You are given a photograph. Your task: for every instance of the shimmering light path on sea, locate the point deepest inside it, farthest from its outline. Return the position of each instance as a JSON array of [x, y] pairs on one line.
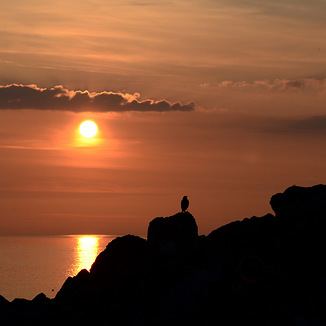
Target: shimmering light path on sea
[[31, 265]]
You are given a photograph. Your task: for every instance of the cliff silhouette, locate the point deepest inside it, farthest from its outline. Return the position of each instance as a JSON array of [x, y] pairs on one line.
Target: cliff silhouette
[[268, 270]]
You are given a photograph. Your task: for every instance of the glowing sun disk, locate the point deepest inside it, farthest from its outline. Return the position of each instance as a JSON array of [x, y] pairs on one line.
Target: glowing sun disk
[[88, 129]]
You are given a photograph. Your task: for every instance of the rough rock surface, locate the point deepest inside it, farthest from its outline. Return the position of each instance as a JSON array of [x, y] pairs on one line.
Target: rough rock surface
[[300, 202], [268, 270], [170, 234]]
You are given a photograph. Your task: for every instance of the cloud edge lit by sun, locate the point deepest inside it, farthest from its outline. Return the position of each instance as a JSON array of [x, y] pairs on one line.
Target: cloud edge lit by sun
[[19, 96]]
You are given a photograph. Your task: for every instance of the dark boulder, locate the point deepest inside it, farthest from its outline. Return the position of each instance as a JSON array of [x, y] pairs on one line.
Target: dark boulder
[[118, 255], [3, 301], [249, 235], [41, 299], [21, 302], [173, 233], [300, 202], [74, 287], [4, 304]]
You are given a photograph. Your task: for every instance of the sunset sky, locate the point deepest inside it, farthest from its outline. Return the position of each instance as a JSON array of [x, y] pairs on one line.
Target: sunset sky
[[220, 100]]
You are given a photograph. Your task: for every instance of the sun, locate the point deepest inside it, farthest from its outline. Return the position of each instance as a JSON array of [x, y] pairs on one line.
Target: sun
[[88, 129]]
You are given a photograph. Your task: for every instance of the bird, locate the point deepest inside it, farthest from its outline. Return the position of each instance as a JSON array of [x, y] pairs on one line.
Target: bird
[[184, 203]]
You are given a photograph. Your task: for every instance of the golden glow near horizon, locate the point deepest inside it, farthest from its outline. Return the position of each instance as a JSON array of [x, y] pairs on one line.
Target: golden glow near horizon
[[86, 252], [88, 129]]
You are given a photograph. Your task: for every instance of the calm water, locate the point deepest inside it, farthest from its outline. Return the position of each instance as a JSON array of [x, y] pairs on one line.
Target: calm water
[[31, 265]]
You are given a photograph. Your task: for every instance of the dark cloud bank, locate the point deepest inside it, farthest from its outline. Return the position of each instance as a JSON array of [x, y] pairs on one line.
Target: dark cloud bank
[[16, 96]]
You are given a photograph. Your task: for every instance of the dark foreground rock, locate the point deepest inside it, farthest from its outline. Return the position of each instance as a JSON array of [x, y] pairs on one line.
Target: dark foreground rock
[[172, 234], [268, 270]]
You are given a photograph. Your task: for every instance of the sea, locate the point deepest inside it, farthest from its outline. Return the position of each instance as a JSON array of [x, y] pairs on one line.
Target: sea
[[30, 265]]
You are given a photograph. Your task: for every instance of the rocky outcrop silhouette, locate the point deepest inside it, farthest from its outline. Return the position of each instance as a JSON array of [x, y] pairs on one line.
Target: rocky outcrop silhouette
[[268, 270], [170, 234], [300, 202]]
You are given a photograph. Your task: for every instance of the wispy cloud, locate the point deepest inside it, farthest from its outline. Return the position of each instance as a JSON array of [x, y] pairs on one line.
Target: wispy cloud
[[295, 9], [179, 43], [260, 124], [311, 125], [17, 96], [304, 84]]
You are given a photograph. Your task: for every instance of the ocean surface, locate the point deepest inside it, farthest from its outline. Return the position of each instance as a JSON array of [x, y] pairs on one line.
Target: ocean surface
[[30, 265]]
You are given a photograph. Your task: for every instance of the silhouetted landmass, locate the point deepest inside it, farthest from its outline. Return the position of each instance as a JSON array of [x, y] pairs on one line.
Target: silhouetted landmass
[[268, 270]]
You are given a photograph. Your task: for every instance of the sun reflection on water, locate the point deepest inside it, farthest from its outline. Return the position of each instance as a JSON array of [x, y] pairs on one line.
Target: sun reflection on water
[[87, 248]]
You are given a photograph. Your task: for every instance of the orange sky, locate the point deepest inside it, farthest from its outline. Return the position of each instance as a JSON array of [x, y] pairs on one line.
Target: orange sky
[[229, 99]]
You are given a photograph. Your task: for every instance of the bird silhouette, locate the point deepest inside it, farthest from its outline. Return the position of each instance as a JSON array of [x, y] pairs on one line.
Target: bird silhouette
[[184, 204]]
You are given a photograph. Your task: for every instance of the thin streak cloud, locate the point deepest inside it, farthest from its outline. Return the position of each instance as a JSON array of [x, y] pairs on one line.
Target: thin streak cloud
[[281, 85]]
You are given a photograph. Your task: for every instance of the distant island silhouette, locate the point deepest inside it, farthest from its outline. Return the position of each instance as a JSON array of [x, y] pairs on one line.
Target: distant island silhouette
[[268, 270]]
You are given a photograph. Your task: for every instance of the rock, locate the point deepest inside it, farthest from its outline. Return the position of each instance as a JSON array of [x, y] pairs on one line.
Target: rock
[[41, 299], [173, 233], [249, 235], [73, 287], [3, 301], [21, 302], [4, 304], [251, 269], [257, 271], [300, 202], [119, 252]]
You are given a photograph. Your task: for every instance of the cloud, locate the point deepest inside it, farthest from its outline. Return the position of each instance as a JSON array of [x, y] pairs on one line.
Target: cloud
[[295, 9], [17, 96], [306, 84], [233, 122], [278, 125], [314, 124]]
